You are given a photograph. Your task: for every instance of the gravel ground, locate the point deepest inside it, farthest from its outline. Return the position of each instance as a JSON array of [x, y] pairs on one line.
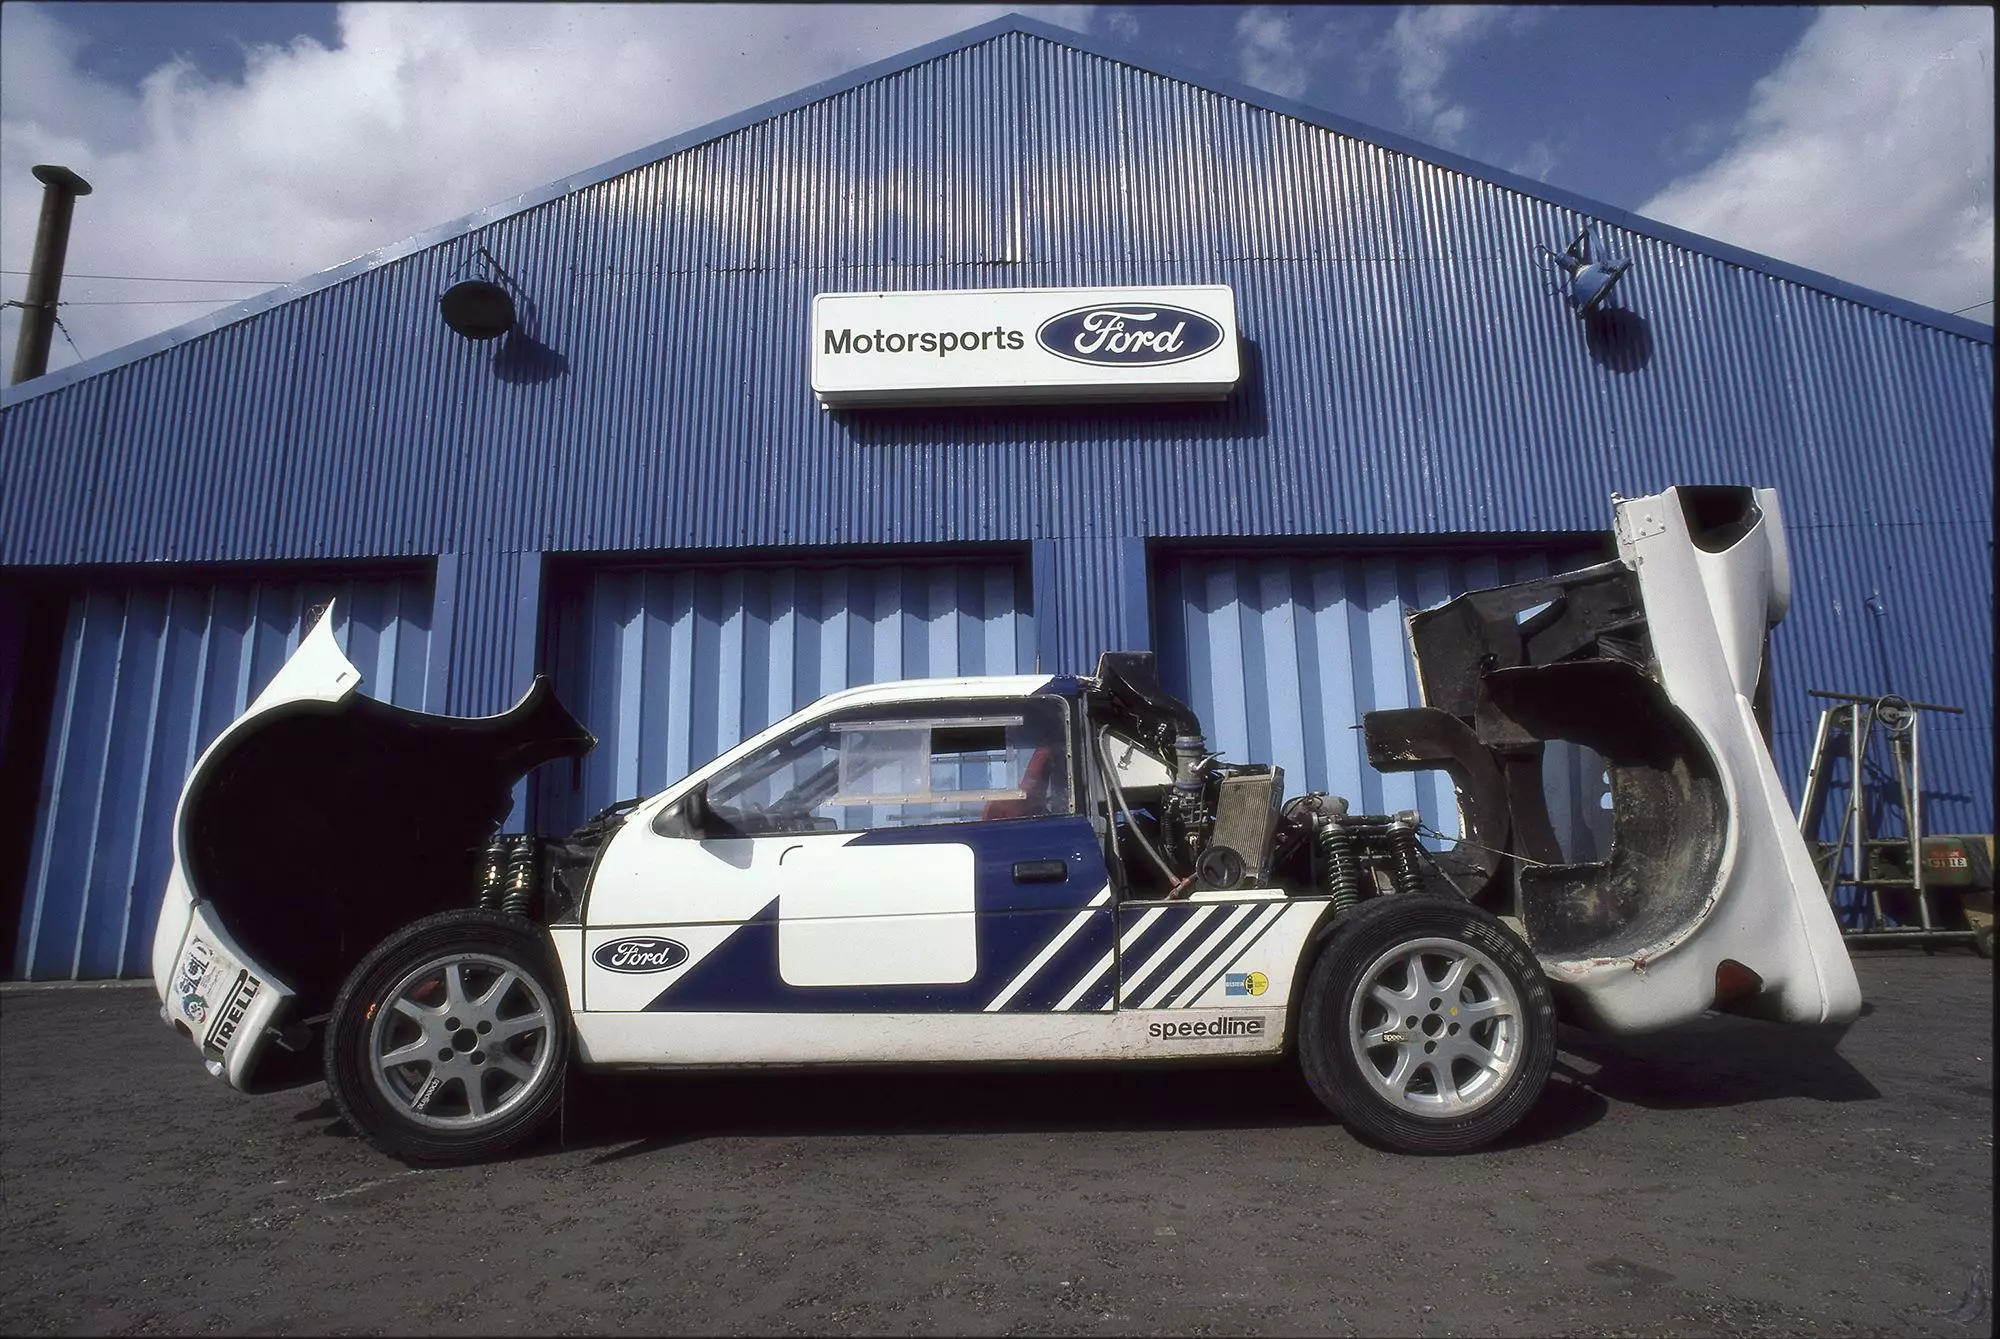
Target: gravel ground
[[1729, 1178]]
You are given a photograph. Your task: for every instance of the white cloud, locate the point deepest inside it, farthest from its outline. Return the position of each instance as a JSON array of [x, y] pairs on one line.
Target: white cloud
[[1867, 154], [1268, 54], [421, 114], [1537, 161], [1423, 44], [1122, 24]]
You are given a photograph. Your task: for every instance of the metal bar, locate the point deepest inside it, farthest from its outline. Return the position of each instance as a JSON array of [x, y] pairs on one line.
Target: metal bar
[[1858, 737], [1856, 697], [1913, 815], [1812, 801]]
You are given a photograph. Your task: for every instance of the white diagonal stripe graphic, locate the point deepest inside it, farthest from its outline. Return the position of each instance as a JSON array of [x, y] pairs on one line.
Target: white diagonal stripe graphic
[[1233, 957], [1053, 947], [1138, 928], [1195, 959], [1203, 917], [1090, 978]]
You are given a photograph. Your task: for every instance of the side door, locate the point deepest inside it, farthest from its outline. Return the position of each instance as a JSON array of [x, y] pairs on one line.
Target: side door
[[897, 882]]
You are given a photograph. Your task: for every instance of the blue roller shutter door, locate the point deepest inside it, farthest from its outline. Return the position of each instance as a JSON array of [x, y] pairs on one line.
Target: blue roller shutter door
[[670, 665], [1282, 656], [150, 673]]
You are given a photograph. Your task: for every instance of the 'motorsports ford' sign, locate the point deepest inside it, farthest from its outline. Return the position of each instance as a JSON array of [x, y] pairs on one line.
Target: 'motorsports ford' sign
[[983, 346]]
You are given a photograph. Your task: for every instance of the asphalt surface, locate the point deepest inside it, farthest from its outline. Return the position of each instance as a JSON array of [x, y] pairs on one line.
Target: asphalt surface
[[1730, 1178]]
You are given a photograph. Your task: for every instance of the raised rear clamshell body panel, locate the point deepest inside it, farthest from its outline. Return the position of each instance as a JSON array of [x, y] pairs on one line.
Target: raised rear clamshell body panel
[[316, 672], [1710, 598], [1654, 660], [317, 823]]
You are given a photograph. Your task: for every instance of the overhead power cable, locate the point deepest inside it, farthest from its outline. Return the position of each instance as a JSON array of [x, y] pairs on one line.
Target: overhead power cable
[[147, 302], [1974, 307], [160, 278]]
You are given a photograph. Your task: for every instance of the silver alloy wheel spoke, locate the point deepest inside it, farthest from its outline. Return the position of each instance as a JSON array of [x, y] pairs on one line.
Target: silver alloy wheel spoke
[[1453, 981], [1480, 1011], [507, 1063], [454, 987], [1395, 1001], [421, 1049], [496, 992], [475, 1096], [1479, 1055], [1453, 1058], [506, 1029], [423, 1013]]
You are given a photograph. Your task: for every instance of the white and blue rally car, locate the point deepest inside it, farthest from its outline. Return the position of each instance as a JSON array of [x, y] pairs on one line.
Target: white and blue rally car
[[1024, 869]]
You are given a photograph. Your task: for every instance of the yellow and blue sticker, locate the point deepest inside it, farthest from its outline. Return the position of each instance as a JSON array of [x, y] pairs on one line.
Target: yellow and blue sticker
[[1245, 983]]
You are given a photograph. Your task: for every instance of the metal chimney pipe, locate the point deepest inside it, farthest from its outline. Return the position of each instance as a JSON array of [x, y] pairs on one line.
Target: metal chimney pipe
[[38, 312]]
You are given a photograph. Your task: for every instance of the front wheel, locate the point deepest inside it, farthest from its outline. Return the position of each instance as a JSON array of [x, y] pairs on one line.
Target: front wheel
[[447, 1043], [1426, 1025]]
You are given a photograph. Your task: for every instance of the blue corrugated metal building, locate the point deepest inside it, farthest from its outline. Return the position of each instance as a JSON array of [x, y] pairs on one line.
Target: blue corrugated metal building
[[639, 494]]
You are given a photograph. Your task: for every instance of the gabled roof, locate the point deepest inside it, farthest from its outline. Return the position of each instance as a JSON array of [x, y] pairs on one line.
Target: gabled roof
[[1011, 23]]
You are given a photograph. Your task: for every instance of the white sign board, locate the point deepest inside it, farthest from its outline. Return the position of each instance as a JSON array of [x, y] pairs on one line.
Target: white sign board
[[998, 345]]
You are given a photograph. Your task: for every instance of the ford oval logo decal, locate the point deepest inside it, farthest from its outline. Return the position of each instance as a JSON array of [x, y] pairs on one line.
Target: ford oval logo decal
[[1129, 334], [640, 955]]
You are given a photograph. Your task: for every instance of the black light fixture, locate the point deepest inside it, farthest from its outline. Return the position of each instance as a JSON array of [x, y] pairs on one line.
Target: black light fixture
[[477, 309], [480, 309], [1584, 282]]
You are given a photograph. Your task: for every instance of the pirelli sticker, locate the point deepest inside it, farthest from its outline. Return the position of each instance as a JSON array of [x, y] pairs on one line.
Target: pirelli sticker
[[230, 1016]]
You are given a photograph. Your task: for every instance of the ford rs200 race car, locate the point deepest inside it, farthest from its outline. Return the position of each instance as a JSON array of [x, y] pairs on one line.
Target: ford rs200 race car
[[1025, 869]]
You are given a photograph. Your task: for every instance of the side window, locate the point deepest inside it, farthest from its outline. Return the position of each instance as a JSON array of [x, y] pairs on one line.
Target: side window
[[781, 788], [906, 766]]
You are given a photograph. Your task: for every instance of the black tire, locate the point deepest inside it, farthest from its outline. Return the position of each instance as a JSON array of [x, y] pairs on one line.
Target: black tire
[[465, 1093], [1392, 1094]]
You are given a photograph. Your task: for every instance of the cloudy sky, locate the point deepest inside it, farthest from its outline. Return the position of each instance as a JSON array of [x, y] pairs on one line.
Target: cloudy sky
[[234, 147]]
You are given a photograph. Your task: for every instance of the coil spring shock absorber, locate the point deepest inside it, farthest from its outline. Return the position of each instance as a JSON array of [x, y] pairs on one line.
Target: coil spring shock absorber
[[492, 874], [1340, 870], [517, 892], [1407, 877]]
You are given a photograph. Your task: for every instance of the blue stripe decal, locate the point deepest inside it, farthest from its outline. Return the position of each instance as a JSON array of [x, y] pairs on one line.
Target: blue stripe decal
[[1132, 958], [1099, 995], [1157, 971], [1215, 954], [1059, 974], [1211, 971]]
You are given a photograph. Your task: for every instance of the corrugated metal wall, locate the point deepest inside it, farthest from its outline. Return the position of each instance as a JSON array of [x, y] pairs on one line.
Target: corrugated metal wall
[[1282, 655], [1406, 376], [670, 665], [151, 673]]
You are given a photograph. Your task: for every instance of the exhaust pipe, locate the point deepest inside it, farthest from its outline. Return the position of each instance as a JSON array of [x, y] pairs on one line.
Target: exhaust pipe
[[38, 311]]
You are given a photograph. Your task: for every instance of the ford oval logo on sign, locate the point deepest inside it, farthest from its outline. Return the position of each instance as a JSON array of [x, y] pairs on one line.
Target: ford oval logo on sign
[[640, 955], [1129, 335]]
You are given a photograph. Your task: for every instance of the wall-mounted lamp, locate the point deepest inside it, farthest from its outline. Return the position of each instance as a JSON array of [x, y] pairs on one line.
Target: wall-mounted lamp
[[479, 308], [1583, 281]]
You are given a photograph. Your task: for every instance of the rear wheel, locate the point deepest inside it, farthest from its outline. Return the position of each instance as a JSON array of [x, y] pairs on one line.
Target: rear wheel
[[448, 1042], [1426, 1025]]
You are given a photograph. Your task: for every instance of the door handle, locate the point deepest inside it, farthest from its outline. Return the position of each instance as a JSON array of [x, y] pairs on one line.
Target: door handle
[[1041, 871]]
